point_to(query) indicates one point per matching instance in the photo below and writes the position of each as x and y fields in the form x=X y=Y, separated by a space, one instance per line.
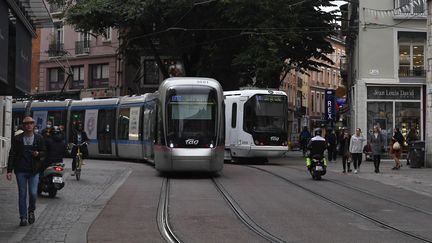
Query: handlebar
x=79 y=145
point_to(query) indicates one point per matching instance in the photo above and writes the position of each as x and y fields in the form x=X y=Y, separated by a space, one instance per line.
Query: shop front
x=391 y=107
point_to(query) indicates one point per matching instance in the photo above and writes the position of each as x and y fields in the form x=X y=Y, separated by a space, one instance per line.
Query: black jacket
x=74 y=139
x=16 y=153
x=56 y=149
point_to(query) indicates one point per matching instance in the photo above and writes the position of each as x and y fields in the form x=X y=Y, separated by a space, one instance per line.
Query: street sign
x=330 y=111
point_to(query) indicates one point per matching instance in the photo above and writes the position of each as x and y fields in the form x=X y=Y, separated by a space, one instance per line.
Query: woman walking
x=377 y=144
x=356 y=149
x=344 y=151
x=396 y=148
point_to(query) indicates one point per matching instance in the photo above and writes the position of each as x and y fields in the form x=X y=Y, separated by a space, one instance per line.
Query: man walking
x=25 y=160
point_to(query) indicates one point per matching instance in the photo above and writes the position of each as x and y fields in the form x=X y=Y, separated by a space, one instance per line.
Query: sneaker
x=343 y=171
x=31 y=217
x=73 y=173
x=349 y=171
x=23 y=222
x=355 y=171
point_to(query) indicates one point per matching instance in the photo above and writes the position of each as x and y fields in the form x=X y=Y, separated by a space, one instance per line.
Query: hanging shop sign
x=393 y=93
x=330 y=112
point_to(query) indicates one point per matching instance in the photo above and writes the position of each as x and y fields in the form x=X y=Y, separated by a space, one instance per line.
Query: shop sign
x=393 y=93
x=330 y=112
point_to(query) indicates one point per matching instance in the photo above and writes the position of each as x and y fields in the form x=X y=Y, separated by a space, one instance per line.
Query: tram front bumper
x=258 y=151
x=200 y=159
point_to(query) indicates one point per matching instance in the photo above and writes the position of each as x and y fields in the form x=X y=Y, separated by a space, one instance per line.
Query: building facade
x=81 y=64
x=386 y=45
x=306 y=92
x=18 y=23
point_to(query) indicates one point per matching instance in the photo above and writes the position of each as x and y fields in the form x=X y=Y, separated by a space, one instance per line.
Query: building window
x=78 y=77
x=323 y=104
x=99 y=76
x=313 y=102
x=151 y=72
x=55 y=47
x=411 y=6
x=107 y=34
x=82 y=46
x=411 y=60
x=55 y=78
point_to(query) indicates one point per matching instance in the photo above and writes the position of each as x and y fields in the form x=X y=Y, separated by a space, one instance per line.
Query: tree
x=237 y=42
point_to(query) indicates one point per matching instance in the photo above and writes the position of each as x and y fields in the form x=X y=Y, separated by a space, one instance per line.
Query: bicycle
x=79 y=160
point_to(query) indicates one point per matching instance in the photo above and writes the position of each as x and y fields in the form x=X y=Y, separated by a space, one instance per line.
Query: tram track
x=163 y=214
x=243 y=216
x=369 y=193
x=347 y=208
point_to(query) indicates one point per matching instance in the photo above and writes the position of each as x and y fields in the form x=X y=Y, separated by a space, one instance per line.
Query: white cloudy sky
x=338 y=3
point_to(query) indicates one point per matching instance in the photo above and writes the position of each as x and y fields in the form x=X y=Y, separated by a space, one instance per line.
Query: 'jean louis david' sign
x=393 y=93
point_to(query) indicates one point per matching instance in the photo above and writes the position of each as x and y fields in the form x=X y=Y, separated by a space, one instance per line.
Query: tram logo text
x=274 y=138
x=192 y=141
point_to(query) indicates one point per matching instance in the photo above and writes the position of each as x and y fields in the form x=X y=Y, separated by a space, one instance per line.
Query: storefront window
x=380 y=114
x=407 y=116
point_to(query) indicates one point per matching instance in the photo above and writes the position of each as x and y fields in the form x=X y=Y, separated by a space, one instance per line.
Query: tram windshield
x=266 y=113
x=192 y=117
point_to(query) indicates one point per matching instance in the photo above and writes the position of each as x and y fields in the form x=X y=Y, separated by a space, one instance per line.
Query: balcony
x=409 y=73
x=56 y=49
x=56 y=8
x=410 y=9
x=82 y=47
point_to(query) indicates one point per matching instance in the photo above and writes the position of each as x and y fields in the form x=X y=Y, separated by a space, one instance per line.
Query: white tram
x=256 y=124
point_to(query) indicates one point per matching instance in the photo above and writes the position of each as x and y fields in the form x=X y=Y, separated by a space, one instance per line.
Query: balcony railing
x=410 y=9
x=82 y=47
x=56 y=49
x=56 y=8
x=409 y=73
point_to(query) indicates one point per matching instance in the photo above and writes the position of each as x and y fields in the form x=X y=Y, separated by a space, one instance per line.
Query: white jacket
x=356 y=144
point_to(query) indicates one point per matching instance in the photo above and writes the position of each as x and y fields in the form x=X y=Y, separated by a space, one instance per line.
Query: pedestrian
x=305 y=135
x=396 y=151
x=25 y=160
x=377 y=146
x=78 y=136
x=331 y=145
x=344 y=143
x=46 y=132
x=411 y=137
x=356 y=149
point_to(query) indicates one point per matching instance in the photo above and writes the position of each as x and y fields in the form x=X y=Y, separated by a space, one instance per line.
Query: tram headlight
x=211 y=145
x=257 y=142
x=171 y=145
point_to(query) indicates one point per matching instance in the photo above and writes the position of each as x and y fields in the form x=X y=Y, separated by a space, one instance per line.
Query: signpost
x=330 y=111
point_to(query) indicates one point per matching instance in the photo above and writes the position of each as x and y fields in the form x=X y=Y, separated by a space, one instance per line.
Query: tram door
x=105 y=131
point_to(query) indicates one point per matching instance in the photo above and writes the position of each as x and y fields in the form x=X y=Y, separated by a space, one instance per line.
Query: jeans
x=27 y=181
x=357 y=159
x=377 y=161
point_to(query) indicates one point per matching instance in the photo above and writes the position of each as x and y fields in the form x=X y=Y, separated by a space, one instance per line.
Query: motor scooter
x=51 y=179
x=318 y=167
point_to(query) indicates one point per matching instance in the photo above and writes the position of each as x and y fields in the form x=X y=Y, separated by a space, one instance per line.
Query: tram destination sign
x=393 y=93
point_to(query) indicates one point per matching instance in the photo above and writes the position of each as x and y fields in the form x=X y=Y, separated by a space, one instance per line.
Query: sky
x=338 y=3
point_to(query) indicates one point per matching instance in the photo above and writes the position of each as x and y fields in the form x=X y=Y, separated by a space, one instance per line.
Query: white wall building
x=5 y=128
x=387 y=56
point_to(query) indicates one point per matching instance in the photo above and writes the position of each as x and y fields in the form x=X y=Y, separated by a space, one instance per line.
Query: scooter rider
x=316 y=146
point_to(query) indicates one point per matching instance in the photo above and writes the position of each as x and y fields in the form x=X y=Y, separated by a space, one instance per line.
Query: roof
x=38 y=13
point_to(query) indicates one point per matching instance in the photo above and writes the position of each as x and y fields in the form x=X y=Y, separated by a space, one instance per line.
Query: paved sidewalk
x=418 y=180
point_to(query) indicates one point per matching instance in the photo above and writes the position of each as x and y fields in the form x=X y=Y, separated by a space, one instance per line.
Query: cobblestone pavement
x=56 y=216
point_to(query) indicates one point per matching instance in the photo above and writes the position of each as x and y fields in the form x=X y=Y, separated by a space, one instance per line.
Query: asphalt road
x=118 y=201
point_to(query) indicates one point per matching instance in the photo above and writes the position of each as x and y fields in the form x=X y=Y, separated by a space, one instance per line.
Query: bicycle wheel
x=78 y=168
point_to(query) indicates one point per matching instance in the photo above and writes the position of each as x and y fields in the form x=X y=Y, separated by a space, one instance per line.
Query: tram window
x=123 y=125
x=234 y=115
x=76 y=117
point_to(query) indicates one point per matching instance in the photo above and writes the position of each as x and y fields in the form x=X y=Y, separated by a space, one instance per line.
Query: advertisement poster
x=134 y=123
x=90 y=123
x=330 y=112
x=40 y=118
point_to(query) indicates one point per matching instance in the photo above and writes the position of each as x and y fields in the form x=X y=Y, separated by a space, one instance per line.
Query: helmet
x=317 y=131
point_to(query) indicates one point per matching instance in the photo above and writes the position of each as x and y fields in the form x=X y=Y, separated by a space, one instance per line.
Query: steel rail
x=243 y=216
x=163 y=216
x=350 y=209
